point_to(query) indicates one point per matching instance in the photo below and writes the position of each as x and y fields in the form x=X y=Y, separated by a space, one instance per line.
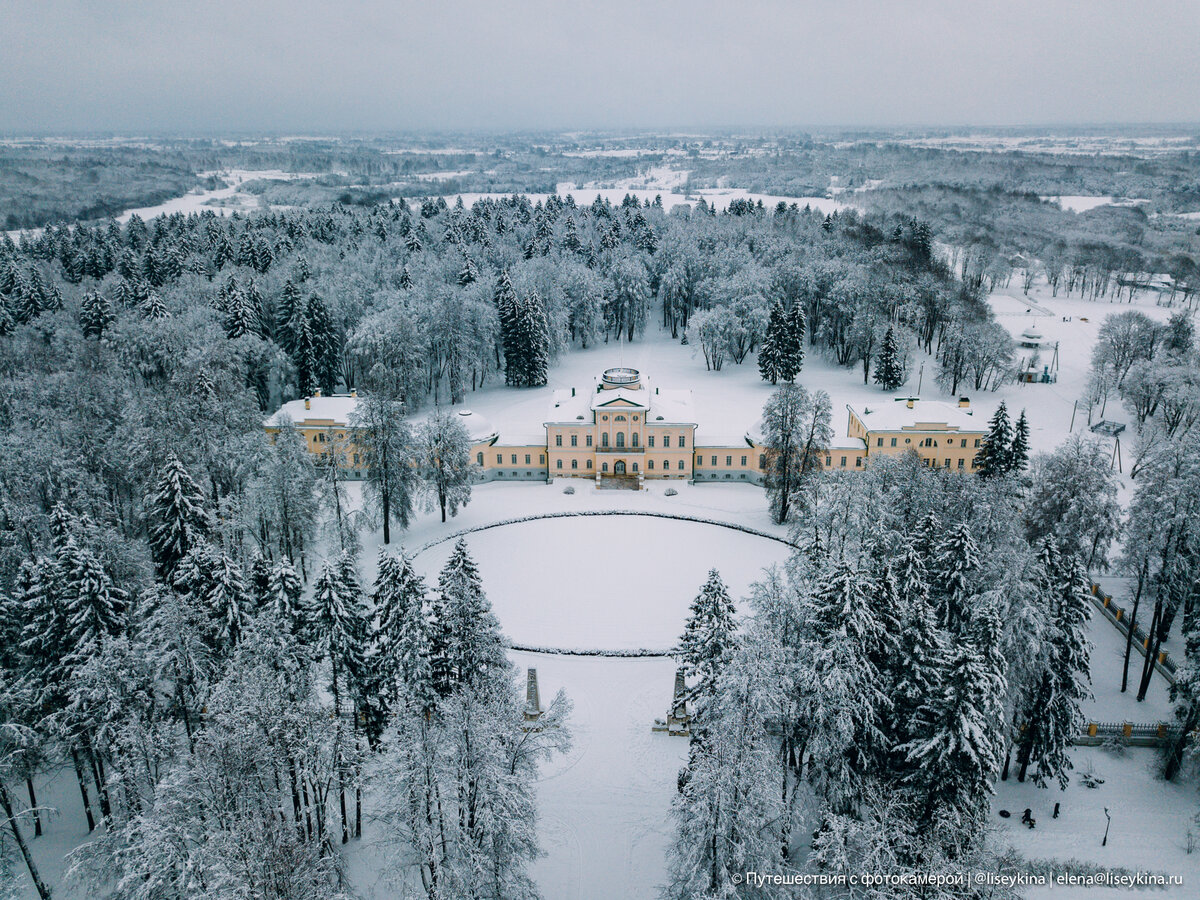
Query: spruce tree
x=1018 y=454
x=792 y=358
x=993 y=458
x=889 y=374
x=95 y=314
x=94 y=606
x=476 y=651
x=955 y=757
x=709 y=639
x=774 y=346
x=956 y=563
x=176 y=517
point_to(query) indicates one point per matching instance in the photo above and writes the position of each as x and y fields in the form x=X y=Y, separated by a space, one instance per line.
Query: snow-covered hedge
x=602 y=512
x=585 y=651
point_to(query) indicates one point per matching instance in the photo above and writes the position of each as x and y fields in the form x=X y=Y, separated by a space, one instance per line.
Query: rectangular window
x=589 y=440
x=828 y=462
x=878 y=442
x=961 y=463
x=743 y=461
x=947 y=464
x=714 y=460
x=729 y=461
x=558 y=440
x=858 y=462
x=514 y=459
x=843 y=462
x=682 y=441
x=976 y=442
x=527 y=459
x=500 y=458
x=650 y=441
x=589 y=464
x=964 y=442
x=542 y=459
x=574 y=440
x=558 y=464
x=893 y=442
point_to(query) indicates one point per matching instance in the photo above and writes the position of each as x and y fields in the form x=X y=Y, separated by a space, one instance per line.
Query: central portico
x=621 y=427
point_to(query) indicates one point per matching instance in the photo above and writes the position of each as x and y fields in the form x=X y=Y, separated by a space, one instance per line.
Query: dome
x=478 y=427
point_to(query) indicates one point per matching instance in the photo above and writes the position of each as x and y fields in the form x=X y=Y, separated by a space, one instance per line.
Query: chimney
x=964 y=402
x=910 y=403
x=308 y=402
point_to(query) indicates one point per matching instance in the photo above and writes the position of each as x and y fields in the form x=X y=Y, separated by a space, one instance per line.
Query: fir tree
x=792 y=358
x=176 y=517
x=889 y=374
x=1018 y=454
x=993 y=458
x=955 y=757
x=476 y=650
x=708 y=640
x=957 y=562
x=774 y=346
x=94 y=606
x=95 y=314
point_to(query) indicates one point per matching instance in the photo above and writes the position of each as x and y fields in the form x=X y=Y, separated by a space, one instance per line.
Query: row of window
x=928 y=442
x=620 y=440
x=681 y=465
x=762 y=460
x=500 y=459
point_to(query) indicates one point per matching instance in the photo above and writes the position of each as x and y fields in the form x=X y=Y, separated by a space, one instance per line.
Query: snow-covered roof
x=620 y=397
x=896 y=415
x=848 y=443
x=479 y=429
x=662 y=406
x=335 y=409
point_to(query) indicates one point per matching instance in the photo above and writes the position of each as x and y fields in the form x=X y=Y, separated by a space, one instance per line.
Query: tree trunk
x=35 y=876
x=87 y=803
x=33 y=807
x=1132 y=623
x=385 y=497
x=1152 y=645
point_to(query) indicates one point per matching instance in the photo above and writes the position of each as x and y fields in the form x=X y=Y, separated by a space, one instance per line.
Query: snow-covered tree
x=889 y=368
x=473 y=648
x=177 y=517
x=708 y=640
x=383 y=438
x=444 y=454
x=796 y=433
x=1073 y=498
x=995 y=451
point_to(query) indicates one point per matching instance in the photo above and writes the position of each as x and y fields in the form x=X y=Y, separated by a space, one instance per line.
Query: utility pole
x=920 y=379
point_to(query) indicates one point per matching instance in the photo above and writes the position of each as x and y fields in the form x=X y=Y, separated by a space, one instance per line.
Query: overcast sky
x=130 y=66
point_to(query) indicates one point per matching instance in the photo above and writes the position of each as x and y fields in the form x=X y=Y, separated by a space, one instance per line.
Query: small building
x=323 y=422
x=944 y=435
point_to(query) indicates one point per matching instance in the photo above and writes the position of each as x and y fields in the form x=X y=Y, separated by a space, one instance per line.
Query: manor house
x=622 y=429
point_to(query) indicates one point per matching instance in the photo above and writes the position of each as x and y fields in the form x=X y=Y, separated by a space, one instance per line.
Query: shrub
x=670 y=492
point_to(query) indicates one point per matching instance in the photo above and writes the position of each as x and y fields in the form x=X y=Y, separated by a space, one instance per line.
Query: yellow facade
x=943 y=435
x=622 y=428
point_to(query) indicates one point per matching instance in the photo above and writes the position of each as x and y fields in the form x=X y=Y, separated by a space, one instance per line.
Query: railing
x=1128 y=733
x=620 y=449
x=1141 y=640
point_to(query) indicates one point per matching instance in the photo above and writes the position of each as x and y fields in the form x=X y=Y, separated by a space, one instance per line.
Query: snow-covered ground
x=1151 y=820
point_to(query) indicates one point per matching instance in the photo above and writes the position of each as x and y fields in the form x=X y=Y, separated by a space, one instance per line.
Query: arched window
x=635 y=468
x=649 y=464
x=681 y=464
x=618 y=418
x=620 y=439
x=604 y=467
x=635 y=439
x=604 y=439
x=479 y=458
x=574 y=464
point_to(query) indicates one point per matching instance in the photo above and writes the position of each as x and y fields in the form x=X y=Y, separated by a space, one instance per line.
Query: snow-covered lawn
x=605 y=582
x=1151 y=819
